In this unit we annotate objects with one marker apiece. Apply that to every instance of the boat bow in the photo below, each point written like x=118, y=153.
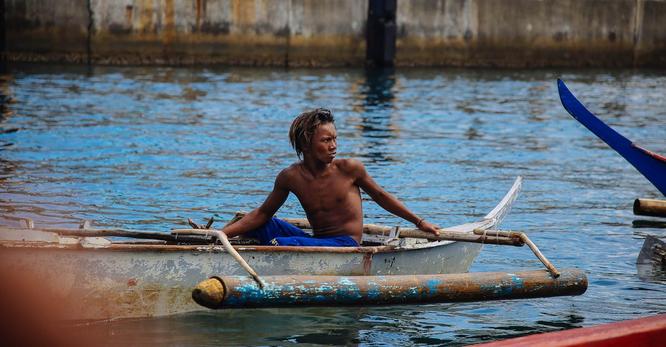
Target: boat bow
x=650, y=164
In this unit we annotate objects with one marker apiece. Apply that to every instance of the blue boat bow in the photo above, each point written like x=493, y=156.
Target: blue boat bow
x=648, y=163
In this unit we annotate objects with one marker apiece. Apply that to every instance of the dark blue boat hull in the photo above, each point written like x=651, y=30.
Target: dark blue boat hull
x=650, y=164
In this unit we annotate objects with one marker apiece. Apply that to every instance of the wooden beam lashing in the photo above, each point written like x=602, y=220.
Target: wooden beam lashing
x=650, y=207
x=294, y=291
x=524, y=240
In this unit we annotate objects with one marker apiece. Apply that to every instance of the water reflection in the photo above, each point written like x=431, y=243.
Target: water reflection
x=651, y=273
x=377, y=93
x=230, y=327
x=473, y=132
x=536, y=109
x=648, y=223
x=349, y=326
x=5, y=103
x=378, y=89
x=7, y=133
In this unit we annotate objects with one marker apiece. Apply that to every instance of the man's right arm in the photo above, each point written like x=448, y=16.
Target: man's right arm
x=386, y=200
x=263, y=213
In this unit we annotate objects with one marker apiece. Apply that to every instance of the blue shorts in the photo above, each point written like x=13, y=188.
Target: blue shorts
x=277, y=232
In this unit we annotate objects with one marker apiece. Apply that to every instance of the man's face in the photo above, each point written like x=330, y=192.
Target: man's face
x=324, y=143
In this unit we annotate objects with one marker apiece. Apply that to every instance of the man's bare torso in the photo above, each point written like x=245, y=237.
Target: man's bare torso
x=331, y=200
x=328, y=188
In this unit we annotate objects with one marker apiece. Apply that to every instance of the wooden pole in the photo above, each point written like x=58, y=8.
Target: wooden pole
x=541, y=257
x=444, y=234
x=650, y=207
x=242, y=292
x=222, y=237
x=512, y=239
x=142, y=235
x=523, y=237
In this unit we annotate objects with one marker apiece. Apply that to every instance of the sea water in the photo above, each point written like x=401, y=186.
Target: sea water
x=149, y=147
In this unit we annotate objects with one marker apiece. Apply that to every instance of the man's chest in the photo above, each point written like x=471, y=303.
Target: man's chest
x=325, y=193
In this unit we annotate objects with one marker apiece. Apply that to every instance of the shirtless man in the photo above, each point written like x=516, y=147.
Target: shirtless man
x=327, y=188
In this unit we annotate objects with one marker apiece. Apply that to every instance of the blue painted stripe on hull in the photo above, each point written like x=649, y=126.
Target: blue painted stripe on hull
x=652, y=168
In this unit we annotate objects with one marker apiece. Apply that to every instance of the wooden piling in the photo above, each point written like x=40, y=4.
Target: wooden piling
x=381, y=33
x=650, y=207
x=243, y=292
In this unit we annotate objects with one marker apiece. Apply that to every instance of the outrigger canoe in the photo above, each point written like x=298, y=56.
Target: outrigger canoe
x=101, y=278
x=648, y=163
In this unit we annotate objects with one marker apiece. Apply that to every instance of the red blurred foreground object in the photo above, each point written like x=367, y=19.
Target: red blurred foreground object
x=650, y=331
x=33, y=316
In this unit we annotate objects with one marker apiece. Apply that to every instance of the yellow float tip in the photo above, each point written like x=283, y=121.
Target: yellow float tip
x=209, y=293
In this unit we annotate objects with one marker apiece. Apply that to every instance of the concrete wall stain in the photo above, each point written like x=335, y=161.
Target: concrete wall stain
x=169, y=23
x=146, y=14
x=244, y=13
x=199, y=5
x=129, y=12
x=332, y=32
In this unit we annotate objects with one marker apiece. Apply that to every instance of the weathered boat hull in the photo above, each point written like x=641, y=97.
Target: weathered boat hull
x=99, y=280
x=140, y=281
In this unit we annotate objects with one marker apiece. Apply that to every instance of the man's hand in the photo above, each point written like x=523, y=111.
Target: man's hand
x=428, y=227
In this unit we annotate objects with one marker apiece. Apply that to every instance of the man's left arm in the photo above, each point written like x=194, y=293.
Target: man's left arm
x=385, y=199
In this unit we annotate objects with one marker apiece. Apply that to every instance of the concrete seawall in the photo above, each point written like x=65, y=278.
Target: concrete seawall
x=503, y=33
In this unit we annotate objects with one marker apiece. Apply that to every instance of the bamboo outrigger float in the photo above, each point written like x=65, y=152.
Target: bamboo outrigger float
x=98, y=277
x=277, y=291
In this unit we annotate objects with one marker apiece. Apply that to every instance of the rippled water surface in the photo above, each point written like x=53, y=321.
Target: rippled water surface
x=151, y=147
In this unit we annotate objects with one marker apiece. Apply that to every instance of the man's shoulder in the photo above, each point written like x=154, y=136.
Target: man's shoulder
x=349, y=165
x=289, y=171
x=347, y=162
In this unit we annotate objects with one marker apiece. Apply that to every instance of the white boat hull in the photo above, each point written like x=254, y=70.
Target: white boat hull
x=108, y=284
x=98, y=280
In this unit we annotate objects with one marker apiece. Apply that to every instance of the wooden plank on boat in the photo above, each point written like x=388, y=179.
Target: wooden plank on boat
x=650, y=207
x=134, y=234
x=649, y=331
x=243, y=292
